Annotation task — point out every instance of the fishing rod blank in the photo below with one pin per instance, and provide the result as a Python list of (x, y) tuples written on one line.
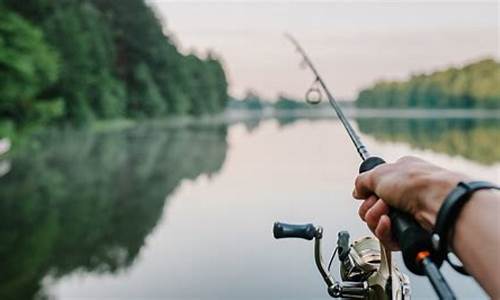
[(360, 147), (414, 241)]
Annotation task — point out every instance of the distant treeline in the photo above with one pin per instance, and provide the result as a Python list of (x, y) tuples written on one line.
[(252, 101), (79, 60), (476, 85)]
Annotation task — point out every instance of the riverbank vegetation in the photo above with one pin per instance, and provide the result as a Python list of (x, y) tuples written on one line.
[(475, 85), (76, 61)]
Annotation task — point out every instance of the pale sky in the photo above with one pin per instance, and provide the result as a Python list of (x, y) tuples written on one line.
[(352, 43)]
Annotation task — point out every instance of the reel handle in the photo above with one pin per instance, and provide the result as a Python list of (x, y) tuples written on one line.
[(412, 238), (302, 231)]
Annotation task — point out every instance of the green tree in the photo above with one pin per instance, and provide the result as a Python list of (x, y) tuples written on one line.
[(28, 66), (116, 59), (475, 85), (145, 97), (286, 103)]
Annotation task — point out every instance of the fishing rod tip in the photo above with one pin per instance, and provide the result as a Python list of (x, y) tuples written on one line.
[(289, 36)]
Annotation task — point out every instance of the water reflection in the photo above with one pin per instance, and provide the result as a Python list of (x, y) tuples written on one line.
[(86, 201), (474, 139)]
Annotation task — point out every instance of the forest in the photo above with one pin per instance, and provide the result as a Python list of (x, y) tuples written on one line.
[(76, 61), (476, 85)]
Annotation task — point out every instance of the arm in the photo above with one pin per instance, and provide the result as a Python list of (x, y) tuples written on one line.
[(476, 239), (419, 188)]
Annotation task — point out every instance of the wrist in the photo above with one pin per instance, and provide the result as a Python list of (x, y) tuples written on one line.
[(481, 198), (451, 211), (436, 186)]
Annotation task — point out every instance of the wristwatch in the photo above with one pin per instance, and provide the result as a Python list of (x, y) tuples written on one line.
[(448, 214)]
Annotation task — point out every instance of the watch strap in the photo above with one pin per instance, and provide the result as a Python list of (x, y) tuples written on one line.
[(448, 214)]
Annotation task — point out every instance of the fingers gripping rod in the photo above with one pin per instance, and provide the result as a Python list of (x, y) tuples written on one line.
[(413, 239)]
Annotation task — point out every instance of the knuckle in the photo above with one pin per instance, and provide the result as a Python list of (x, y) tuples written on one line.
[(358, 183), (406, 159), (403, 158)]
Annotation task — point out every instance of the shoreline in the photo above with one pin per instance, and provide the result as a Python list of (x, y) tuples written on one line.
[(327, 113), (229, 117)]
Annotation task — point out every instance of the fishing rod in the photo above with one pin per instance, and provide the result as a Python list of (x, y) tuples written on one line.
[(360, 147), (414, 241)]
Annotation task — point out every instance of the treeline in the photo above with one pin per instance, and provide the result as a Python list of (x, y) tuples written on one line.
[(476, 85), (80, 60), (286, 103), (252, 101)]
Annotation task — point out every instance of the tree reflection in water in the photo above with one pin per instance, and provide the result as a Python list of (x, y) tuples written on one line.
[(474, 139), (85, 201)]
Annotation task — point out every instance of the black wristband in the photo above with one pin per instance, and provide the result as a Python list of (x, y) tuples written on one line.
[(448, 214)]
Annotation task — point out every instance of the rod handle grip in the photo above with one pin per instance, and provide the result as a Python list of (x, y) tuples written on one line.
[(411, 236), (370, 163), (302, 231)]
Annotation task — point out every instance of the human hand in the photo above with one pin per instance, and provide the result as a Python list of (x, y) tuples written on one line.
[(411, 185)]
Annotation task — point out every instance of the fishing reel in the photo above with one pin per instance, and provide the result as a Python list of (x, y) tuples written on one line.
[(366, 268)]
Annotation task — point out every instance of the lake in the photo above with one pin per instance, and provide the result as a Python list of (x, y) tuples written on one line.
[(155, 211)]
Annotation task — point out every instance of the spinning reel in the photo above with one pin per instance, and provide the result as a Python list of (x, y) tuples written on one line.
[(366, 269)]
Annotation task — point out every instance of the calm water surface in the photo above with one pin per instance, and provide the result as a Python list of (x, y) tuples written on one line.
[(154, 212)]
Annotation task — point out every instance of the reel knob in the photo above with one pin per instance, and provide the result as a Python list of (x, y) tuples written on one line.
[(302, 231)]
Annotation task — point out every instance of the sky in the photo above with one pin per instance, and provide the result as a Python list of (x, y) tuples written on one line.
[(353, 43)]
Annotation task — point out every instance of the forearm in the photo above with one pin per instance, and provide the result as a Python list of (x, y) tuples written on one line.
[(476, 239)]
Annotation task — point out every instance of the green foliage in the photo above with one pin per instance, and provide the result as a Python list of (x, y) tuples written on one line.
[(44, 111), (7, 129), (187, 83), (476, 85), (83, 41), (145, 97), (98, 59), (285, 103), (27, 67), (251, 101)]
